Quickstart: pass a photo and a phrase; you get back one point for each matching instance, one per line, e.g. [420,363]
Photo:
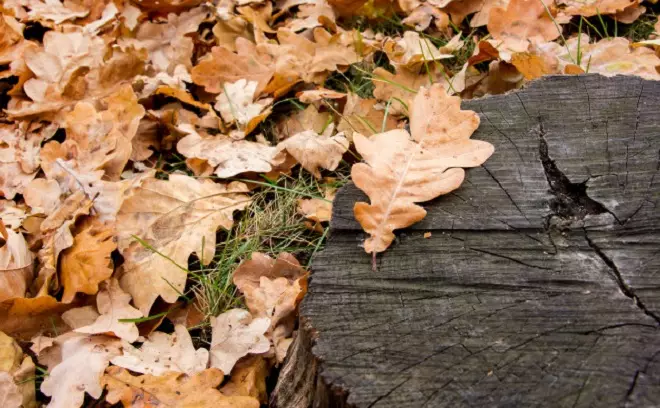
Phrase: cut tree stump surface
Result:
[539,285]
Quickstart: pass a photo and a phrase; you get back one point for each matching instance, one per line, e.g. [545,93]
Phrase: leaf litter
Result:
[167,168]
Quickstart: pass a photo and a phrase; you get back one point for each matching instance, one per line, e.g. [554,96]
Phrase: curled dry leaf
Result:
[163,352]
[316,95]
[308,119]
[175,390]
[273,289]
[412,51]
[172,219]
[402,169]
[590,8]
[397,90]
[248,379]
[223,66]
[22,318]
[520,22]
[317,210]
[227,156]
[83,361]
[16,265]
[16,376]
[313,150]
[114,305]
[236,105]
[87,262]
[362,116]
[236,334]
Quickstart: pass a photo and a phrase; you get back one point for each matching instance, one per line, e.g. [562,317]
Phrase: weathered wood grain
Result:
[540,284]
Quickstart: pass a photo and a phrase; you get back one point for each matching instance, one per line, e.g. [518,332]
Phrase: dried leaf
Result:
[522,21]
[402,169]
[248,379]
[236,105]
[114,305]
[362,116]
[87,262]
[227,156]
[22,318]
[16,267]
[236,334]
[313,150]
[83,361]
[248,274]
[16,376]
[174,218]
[172,389]
[164,352]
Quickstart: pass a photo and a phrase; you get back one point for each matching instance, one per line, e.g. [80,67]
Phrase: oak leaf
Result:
[83,361]
[588,8]
[412,50]
[223,66]
[237,105]
[172,219]
[363,116]
[317,210]
[248,274]
[248,379]
[16,265]
[114,305]
[403,169]
[88,261]
[236,334]
[22,318]
[16,375]
[227,156]
[163,352]
[175,390]
[398,90]
[307,119]
[521,22]
[313,150]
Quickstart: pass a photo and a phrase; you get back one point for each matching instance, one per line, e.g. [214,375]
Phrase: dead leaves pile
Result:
[97,237]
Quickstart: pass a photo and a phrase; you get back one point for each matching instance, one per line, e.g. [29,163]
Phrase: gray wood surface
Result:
[540,284]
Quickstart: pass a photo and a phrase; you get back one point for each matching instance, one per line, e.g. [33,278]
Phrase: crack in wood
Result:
[625,289]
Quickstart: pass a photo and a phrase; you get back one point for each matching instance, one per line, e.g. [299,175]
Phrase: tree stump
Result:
[539,284]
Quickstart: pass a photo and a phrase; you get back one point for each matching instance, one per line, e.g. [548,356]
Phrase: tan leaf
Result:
[175,390]
[23,318]
[224,66]
[236,105]
[590,8]
[87,262]
[313,150]
[308,119]
[398,90]
[55,11]
[248,379]
[80,317]
[402,169]
[248,274]
[164,352]
[316,209]
[362,116]
[522,21]
[316,95]
[20,146]
[16,265]
[176,218]
[227,156]
[309,15]
[83,361]
[17,376]
[236,334]
[114,305]
[412,50]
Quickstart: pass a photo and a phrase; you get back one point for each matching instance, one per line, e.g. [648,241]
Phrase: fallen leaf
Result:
[248,379]
[588,8]
[223,66]
[16,376]
[248,274]
[83,361]
[176,218]
[175,390]
[307,119]
[522,21]
[398,90]
[402,169]
[531,66]
[88,261]
[315,209]
[412,51]
[236,334]
[362,116]
[236,105]
[313,150]
[22,318]
[227,156]
[114,305]
[16,265]
[316,95]
[162,353]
